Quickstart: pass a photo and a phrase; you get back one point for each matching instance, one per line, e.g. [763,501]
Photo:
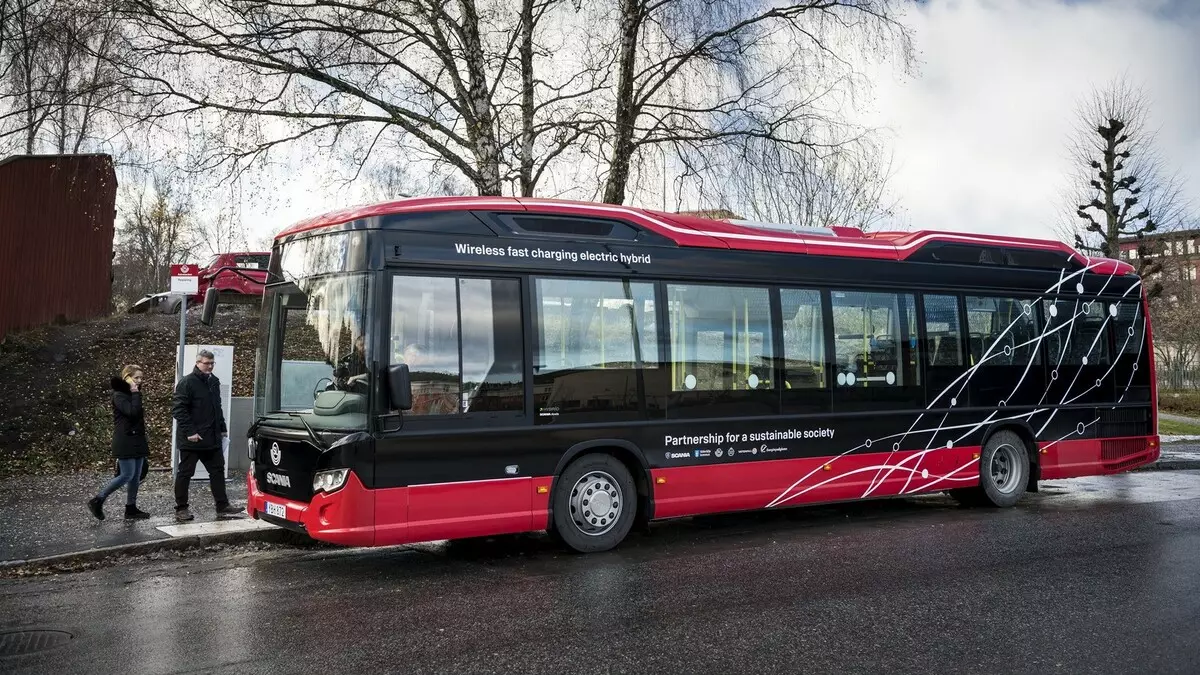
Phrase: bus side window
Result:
[943,339]
[869,345]
[493,347]
[592,338]
[440,322]
[803,340]
[1004,331]
[425,336]
[720,338]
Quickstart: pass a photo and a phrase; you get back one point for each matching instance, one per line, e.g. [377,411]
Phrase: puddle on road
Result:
[1126,488]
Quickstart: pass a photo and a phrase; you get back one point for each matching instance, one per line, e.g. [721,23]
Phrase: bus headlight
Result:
[329,481]
[251,448]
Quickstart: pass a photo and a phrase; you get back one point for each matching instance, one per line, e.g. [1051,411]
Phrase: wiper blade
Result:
[311,434]
[254,427]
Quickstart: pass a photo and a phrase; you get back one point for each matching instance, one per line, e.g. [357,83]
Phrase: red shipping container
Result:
[57,216]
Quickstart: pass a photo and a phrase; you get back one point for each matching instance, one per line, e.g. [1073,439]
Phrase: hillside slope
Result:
[55,403]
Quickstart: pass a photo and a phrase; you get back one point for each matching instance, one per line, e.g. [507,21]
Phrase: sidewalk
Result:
[46,516]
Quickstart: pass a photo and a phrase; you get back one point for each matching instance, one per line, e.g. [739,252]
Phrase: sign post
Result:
[185,280]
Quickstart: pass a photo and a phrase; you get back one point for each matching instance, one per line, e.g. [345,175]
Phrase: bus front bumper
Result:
[345,516]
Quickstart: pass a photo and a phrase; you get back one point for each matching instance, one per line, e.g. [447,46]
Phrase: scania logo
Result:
[276,454]
[276,479]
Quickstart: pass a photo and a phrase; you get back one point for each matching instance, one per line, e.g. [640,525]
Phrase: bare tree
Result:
[24,37]
[504,94]
[451,84]
[1121,188]
[59,91]
[221,233]
[807,189]
[1174,313]
[745,79]
[156,232]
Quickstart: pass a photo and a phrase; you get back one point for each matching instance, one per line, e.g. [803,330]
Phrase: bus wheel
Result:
[594,504]
[1003,472]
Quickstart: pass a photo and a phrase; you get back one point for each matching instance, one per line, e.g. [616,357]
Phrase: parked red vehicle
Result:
[239,276]
[247,277]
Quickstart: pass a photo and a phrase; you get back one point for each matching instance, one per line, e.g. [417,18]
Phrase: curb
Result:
[278,535]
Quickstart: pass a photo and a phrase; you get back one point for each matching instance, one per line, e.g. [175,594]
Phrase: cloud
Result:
[980,131]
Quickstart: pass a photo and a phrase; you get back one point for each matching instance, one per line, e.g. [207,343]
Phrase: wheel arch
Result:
[625,452]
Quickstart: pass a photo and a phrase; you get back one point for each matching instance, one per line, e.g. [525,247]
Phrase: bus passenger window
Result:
[592,337]
[440,322]
[425,336]
[803,340]
[943,338]
[1003,331]
[1075,332]
[493,345]
[720,338]
[870,349]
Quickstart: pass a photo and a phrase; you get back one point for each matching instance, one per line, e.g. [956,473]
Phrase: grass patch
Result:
[56,404]
[1173,428]
[1186,403]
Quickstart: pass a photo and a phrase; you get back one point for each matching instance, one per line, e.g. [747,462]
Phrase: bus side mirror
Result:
[400,387]
[211,296]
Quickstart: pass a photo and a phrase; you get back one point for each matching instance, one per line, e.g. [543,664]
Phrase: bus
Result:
[444,368]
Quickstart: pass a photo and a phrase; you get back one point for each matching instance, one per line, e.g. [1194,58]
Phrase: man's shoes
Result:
[183,515]
[229,510]
[96,506]
[132,512]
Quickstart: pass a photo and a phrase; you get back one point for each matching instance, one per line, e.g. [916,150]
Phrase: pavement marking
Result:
[215,527]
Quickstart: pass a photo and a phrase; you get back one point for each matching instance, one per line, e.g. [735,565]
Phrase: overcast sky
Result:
[978,131]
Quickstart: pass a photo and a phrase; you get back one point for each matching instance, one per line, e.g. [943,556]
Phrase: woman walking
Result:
[129,443]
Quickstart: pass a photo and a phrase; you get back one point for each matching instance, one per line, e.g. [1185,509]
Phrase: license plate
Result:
[277,510]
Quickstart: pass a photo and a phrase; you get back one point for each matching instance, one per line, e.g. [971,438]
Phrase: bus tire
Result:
[595,503]
[1003,472]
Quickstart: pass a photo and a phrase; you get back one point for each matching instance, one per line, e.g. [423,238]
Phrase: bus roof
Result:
[689,230]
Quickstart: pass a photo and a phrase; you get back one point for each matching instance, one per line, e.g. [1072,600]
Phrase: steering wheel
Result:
[317,388]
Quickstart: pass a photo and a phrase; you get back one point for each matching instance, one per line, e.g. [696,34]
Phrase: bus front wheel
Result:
[594,504]
[1003,473]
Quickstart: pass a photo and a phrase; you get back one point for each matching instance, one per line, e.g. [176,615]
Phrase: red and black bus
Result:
[446,368]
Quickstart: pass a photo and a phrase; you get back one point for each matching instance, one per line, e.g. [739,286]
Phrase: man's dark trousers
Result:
[214,462]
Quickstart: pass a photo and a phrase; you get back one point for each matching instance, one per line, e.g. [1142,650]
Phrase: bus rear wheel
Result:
[594,504]
[1003,473]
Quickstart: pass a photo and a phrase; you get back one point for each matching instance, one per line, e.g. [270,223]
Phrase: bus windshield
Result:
[314,354]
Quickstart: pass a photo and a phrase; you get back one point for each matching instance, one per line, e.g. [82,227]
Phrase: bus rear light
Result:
[329,481]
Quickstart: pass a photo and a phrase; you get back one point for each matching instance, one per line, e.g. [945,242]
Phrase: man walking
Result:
[196,408]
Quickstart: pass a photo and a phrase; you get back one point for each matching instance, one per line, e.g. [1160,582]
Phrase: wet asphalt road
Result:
[1095,575]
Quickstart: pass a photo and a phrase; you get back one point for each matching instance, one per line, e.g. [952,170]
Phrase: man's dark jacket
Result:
[196,406]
